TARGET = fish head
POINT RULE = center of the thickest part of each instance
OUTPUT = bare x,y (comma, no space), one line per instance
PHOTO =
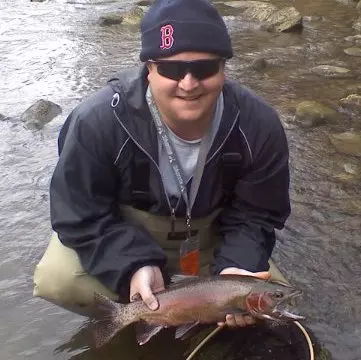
274,303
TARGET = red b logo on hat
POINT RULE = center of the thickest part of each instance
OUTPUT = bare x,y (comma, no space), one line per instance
166,32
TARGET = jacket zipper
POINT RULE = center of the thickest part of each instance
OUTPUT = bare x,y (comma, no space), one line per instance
172,210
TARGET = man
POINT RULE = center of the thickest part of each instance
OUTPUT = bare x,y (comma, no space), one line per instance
171,160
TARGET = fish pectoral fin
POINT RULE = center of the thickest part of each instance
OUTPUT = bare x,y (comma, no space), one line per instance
183,329
144,331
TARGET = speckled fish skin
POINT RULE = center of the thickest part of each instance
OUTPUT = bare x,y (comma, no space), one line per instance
202,300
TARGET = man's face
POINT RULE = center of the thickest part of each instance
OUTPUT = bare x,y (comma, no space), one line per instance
188,99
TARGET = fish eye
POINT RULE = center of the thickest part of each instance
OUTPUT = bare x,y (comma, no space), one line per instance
278,294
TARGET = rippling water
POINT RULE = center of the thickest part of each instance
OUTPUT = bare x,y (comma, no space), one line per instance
55,50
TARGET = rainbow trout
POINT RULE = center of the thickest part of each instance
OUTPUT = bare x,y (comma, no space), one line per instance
195,300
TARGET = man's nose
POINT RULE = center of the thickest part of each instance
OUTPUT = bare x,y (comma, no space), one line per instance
189,82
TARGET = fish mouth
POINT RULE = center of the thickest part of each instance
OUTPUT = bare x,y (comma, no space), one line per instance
282,309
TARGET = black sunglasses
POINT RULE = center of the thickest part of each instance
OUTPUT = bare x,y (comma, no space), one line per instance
177,69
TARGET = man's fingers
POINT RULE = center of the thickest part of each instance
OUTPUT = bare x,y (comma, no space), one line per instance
265,275
149,299
249,320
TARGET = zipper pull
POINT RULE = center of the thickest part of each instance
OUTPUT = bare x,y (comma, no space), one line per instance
173,219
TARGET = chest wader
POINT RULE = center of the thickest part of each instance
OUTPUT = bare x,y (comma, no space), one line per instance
60,278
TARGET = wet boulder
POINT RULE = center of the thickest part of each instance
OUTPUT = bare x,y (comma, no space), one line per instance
286,19
144,2
348,143
357,24
243,5
256,10
330,71
134,16
39,114
355,39
259,64
353,51
311,114
352,102
110,19
131,17
348,2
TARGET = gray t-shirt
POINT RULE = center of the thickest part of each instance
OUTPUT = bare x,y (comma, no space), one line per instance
187,153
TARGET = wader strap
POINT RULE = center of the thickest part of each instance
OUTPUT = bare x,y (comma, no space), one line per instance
231,165
140,173
158,227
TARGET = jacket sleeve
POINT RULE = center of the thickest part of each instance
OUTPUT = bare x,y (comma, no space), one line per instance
84,207
260,203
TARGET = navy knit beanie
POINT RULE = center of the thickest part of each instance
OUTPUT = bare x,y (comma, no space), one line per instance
173,26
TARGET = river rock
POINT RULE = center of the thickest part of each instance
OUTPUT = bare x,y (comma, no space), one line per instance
144,2
110,19
286,19
134,16
311,113
357,24
40,113
356,39
352,102
348,2
353,51
248,4
3,117
331,71
353,89
259,12
348,143
259,64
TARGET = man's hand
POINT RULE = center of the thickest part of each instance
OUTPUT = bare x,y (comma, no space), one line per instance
144,283
238,319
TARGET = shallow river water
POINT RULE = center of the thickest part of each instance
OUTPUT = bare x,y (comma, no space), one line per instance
55,50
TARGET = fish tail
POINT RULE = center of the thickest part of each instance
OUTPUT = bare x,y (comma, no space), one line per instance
109,318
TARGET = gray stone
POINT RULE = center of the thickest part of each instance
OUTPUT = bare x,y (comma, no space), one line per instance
331,71
39,114
286,19
311,113
357,24
353,51
356,39
259,64
247,4
348,143
134,16
3,117
110,19
352,102
260,12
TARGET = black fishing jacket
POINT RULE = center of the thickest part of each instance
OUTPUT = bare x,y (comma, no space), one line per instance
108,147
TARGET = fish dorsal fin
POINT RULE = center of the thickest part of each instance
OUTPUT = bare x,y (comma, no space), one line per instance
280,282
183,329
144,331
176,278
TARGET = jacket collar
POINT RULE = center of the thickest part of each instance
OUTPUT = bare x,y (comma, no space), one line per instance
134,115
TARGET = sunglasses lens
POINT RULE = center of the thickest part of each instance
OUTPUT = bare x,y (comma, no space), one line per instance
172,70
177,70
204,69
